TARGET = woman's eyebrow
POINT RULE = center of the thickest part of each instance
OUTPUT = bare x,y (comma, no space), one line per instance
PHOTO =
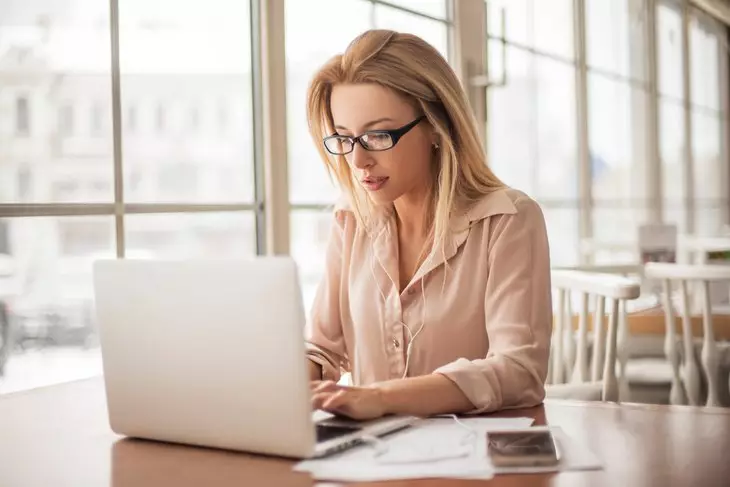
367,125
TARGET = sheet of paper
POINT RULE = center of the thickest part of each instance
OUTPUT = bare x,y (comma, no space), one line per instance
433,448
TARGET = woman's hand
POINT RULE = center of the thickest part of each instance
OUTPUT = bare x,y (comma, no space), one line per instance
359,403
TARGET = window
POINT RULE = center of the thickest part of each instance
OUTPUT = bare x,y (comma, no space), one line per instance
131,119
531,130
695,190
617,97
709,125
193,119
66,121
161,118
25,183
222,117
4,238
22,116
186,235
70,58
705,50
171,54
669,47
97,119
614,31
83,236
674,170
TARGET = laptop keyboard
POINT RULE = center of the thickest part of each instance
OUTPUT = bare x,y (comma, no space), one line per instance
327,432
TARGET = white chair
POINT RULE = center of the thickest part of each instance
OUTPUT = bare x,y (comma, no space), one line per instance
686,380
624,341
568,373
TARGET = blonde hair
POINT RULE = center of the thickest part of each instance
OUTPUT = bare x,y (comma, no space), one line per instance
415,70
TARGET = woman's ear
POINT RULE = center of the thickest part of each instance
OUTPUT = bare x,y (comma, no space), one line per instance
435,140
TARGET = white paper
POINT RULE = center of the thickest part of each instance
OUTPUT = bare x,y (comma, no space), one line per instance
433,448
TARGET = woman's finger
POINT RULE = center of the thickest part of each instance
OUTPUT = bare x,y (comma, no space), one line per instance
326,385
336,400
320,398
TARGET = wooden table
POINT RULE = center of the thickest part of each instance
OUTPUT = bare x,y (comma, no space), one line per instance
58,436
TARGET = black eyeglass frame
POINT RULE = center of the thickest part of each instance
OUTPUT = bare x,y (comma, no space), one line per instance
395,136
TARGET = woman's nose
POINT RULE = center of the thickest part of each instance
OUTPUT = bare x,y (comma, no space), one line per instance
359,157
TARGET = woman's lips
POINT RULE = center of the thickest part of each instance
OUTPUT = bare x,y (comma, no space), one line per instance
374,184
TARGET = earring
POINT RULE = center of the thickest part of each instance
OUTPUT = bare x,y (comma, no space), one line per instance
435,145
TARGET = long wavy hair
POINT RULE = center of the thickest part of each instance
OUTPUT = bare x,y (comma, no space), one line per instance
416,71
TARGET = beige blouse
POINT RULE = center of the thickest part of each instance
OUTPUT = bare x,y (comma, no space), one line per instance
486,314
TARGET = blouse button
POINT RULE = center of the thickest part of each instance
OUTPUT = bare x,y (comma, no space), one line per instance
396,343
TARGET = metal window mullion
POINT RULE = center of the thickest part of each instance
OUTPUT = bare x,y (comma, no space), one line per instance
12,210
257,115
533,50
469,54
724,117
311,206
585,189
654,179
272,118
450,30
410,11
117,128
687,105
147,208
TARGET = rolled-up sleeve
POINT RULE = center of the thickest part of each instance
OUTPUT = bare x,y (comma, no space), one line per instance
324,336
518,312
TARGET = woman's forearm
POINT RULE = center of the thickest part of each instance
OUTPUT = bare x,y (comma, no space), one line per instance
423,396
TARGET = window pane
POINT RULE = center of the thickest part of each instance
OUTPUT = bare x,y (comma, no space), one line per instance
617,142
431,31
708,173
615,231
532,129
562,229
546,25
517,20
309,233
705,63
671,148
615,36
511,123
434,8
179,58
669,47
190,235
47,296
55,60
556,128
311,39
553,24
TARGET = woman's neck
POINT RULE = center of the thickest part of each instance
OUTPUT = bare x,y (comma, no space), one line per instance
413,212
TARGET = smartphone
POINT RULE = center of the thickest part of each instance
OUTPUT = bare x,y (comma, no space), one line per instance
524,448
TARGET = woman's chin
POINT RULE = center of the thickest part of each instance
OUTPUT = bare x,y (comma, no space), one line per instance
381,198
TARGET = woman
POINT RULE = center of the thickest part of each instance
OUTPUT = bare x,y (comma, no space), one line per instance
437,288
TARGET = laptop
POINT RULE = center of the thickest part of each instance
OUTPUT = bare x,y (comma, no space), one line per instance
211,353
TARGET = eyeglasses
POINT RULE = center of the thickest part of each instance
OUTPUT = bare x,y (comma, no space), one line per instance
374,140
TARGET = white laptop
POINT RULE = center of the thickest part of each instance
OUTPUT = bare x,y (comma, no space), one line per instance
211,353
